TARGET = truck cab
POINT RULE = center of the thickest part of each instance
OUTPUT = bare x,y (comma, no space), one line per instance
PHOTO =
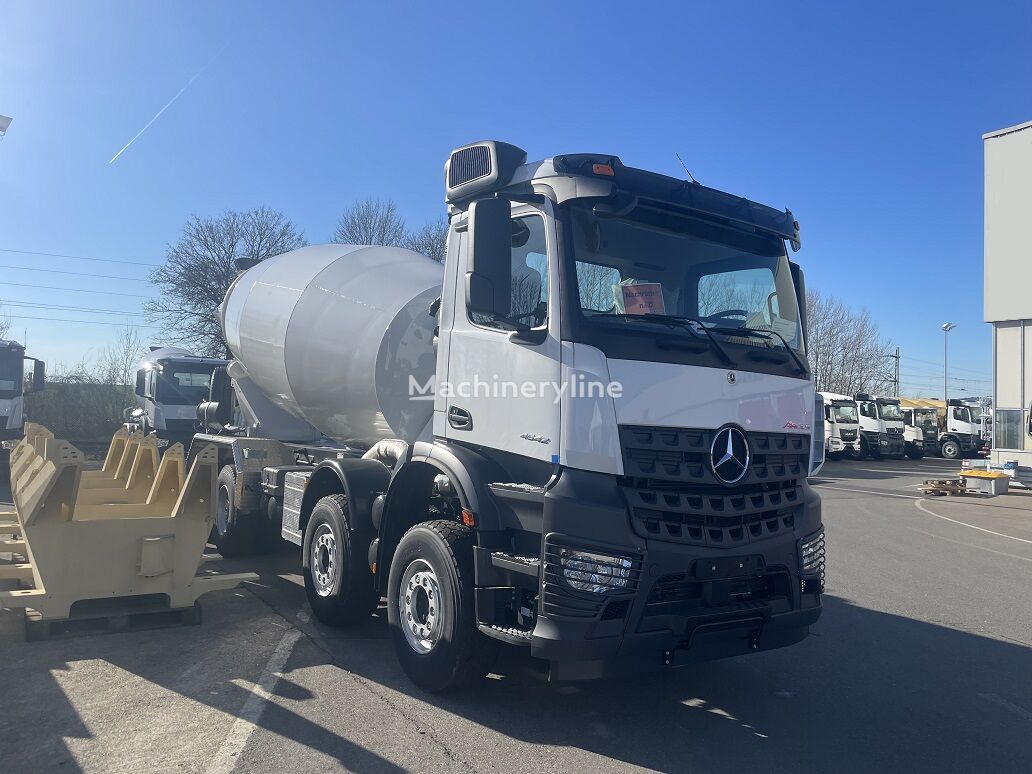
961,434
841,426
881,426
920,432
170,384
14,385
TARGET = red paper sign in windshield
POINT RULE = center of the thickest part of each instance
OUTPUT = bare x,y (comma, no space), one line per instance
646,298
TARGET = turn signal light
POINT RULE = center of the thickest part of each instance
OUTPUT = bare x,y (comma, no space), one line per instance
469,518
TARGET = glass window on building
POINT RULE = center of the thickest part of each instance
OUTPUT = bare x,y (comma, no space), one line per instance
1007,429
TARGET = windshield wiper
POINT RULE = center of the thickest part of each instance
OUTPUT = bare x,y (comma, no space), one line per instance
768,333
685,323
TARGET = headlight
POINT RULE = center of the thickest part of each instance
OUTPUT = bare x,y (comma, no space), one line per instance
597,573
811,557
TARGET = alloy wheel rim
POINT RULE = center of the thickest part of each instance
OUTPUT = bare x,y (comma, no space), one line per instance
419,607
324,560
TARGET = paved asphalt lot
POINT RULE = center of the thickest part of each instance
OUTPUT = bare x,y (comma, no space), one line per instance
921,662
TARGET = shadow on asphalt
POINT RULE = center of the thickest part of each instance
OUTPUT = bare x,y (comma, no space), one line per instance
867,691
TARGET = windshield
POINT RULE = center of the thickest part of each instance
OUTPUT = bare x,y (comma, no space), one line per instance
10,374
737,284
183,384
926,417
845,413
889,411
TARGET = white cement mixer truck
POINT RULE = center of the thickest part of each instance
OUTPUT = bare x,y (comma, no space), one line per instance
14,386
587,434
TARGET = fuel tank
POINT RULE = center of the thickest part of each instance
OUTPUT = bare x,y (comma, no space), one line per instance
337,335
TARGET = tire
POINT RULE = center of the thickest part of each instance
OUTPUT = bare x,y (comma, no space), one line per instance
441,649
835,456
230,533
914,452
340,586
865,451
950,449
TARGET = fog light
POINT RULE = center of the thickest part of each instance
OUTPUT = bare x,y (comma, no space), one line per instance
597,573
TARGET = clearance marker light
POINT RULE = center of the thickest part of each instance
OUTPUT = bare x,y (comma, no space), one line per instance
602,169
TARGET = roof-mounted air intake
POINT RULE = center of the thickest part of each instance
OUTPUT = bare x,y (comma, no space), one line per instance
479,168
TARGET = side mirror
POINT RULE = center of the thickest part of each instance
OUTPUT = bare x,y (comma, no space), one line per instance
799,280
37,381
489,267
1028,429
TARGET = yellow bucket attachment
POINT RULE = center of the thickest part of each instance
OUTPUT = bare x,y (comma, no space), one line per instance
140,531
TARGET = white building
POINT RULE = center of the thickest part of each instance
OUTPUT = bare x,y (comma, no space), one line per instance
1008,288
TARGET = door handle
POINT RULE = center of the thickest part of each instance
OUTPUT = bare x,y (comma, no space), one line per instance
460,419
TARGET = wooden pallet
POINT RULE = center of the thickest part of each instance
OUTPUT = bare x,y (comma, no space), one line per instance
944,487
110,617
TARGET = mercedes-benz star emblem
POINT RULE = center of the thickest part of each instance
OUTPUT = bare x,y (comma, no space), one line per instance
729,455
731,378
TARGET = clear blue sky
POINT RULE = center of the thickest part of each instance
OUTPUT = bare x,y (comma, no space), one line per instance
865,121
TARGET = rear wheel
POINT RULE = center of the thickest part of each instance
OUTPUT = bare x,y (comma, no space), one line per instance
340,586
431,610
230,532
950,449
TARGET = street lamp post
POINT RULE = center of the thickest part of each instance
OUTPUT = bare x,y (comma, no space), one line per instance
946,328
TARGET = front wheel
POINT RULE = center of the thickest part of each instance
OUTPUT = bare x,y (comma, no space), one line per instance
950,449
340,586
834,455
431,610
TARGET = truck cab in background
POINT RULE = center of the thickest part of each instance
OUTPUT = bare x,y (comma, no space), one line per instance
920,432
841,426
960,430
881,426
16,382
170,383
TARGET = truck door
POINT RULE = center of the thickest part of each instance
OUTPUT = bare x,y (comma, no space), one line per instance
500,386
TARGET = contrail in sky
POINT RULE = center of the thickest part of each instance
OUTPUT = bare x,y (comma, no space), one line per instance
167,106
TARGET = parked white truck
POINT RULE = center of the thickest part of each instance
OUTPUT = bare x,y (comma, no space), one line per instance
841,426
881,426
13,387
587,434
170,383
957,430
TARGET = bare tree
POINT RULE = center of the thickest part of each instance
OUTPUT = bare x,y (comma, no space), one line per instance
200,267
117,362
845,348
430,240
371,222
5,323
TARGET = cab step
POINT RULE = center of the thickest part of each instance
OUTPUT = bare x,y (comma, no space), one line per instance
509,634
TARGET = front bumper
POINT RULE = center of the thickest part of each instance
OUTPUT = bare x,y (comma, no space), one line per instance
688,602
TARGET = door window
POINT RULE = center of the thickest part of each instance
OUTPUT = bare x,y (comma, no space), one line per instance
529,277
